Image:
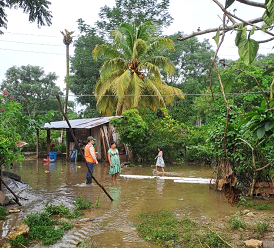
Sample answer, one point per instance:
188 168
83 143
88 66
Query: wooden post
37 143
48 141
104 144
67 144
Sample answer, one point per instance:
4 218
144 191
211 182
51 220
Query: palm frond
164 63
170 92
112 67
152 71
137 85
139 49
146 30
159 44
105 51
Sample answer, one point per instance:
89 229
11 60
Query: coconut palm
67 40
131 75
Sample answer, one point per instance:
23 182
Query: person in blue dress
160 160
114 161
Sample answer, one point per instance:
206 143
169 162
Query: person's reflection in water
73 167
160 183
115 193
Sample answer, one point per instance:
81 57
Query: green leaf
268 4
260 132
269 71
268 15
268 126
248 50
241 35
228 84
229 3
217 37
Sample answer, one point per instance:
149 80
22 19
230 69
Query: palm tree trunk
67 90
67 81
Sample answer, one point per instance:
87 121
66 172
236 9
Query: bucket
52 156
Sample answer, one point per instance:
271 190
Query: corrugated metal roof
80 123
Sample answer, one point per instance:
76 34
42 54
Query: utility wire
6 49
28 43
186 94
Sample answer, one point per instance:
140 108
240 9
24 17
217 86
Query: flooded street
113 226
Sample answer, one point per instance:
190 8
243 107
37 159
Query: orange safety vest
88 156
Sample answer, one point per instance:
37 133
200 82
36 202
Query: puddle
63 182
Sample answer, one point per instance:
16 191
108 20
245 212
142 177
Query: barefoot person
160 161
90 156
114 161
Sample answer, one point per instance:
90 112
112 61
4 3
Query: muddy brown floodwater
113 224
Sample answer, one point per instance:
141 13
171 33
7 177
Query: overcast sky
23 43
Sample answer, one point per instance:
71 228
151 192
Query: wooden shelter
99 128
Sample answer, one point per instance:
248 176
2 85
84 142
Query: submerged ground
113 222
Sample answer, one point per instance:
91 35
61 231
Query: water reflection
115 192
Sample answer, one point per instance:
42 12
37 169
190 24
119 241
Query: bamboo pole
9 189
75 140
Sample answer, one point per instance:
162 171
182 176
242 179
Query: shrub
237 224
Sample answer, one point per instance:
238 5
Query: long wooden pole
75 140
9 189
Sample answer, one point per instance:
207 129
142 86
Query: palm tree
67 40
131 75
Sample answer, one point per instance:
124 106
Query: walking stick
75 140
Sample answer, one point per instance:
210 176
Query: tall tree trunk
67 90
67 82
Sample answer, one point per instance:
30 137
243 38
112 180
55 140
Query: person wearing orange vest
90 156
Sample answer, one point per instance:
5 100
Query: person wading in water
90 156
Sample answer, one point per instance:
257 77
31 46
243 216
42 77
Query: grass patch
236 224
247 202
44 229
160 228
262 227
164 229
47 230
3 213
82 203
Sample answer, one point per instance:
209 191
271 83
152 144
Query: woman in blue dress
114 161
160 161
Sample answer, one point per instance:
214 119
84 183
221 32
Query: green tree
132 70
240 83
37 10
15 126
192 61
35 90
85 70
134 12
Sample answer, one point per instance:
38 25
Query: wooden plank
104 145
106 136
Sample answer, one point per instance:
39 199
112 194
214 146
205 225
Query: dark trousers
91 166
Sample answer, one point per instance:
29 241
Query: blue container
52 156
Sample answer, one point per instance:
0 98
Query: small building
99 128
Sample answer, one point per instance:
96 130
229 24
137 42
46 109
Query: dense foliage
36 10
15 126
134 12
33 89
